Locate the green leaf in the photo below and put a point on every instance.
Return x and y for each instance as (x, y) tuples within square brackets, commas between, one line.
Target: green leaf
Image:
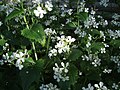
[(115, 43), (2, 42), (35, 33), (83, 16), (64, 85), (73, 74), (72, 24), (31, 74), (14, 14), (96, 46), (76, 53), (40, 64), (29, 60), (28, 76)]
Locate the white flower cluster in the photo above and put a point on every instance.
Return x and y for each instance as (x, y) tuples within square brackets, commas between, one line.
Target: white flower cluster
[(102, 21), (51, 18), (81, 7), (88, 42), (116, 16), (6, 47), (41, 11), (116, 60), (37, 1), (101, 86), (49, 31), (49, 86), (48, 5), (60, 73), (89, 87), (96, 61), (115, 20), (18, 57), (115, 86), (62, 46), (91, 21), (114, 34), (80, 32), (107, 71), (104, 2)]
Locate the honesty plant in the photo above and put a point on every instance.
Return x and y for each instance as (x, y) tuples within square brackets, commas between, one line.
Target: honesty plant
[(59, 45)]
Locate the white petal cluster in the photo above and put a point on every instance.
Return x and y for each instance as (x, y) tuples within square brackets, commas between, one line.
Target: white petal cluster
[(48, 5), (79, 31), (17, 58), (52, 52), (96, 61), (49, 86), (107, 71), (1, 23), (104, 2), (102, 21), (103, 50), (100, 86), (20, 57), (116, 16), (37, 1), (49, 31), (115, 86), (40, 12), (81, 7), (114, 34), (62, 45), (6, 47), (116, 60), (90, 87), (60, 73), (91, 21)]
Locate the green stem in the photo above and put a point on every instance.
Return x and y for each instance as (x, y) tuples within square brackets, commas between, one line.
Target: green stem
[(48, 42), (33, 45), (26, 22)]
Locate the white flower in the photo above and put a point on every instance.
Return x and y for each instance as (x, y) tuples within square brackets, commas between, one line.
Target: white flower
[(115, 86), (19, 63), (48, 5), (52, 52), (116, 16), (100, 86), (1, 62), (37, 1), (48, 22), (103, 50), (96, 62), (104, 2), (60, 73), (86, 10), (49, 31), (53, 17), (63, 44), (70, 11), (107, 70), (89, 87), (88, 44), (1, 23), (39, 12), (49, 86)]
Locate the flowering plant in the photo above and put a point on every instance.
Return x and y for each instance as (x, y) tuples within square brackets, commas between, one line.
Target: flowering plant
[(58, 45)]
